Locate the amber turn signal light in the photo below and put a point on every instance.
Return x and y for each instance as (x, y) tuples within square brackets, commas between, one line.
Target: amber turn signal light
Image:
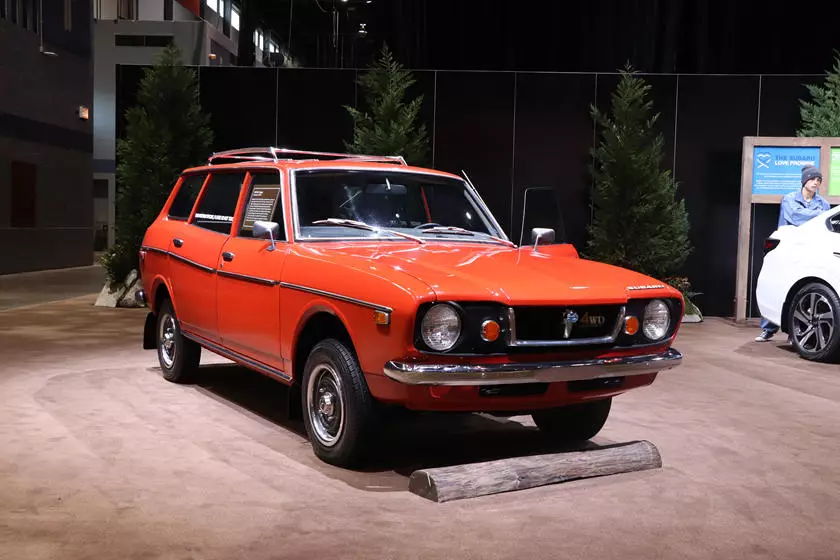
[(631, 325), (381, 318), (490, 330)]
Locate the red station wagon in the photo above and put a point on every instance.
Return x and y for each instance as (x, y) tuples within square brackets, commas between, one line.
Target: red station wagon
[(364, 282)]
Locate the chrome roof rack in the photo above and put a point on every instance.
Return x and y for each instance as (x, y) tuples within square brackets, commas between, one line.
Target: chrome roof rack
[(273, 154)]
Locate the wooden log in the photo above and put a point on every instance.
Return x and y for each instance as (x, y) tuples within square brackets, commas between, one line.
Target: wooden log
[(517, 473)]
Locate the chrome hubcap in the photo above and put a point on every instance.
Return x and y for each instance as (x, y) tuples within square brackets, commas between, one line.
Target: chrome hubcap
[(166, 340), (326, 404), (813, 322)]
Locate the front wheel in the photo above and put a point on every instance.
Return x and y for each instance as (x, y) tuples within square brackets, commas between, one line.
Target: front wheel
[(338, 409), (574, 423), (813, 320)]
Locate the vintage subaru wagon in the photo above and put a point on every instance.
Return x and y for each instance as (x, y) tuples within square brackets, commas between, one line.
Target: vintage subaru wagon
[(365, 283)]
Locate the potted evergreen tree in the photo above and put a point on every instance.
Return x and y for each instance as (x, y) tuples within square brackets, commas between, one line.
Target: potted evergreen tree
[(638, 221), (166, 132), (821, 115), (389, 123)]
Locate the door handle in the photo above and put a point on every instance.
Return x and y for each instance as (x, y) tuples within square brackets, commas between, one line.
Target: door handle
[(227, 256), (178, 242)]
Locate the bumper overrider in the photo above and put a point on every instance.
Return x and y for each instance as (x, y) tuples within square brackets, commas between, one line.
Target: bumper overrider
[(535, 372)]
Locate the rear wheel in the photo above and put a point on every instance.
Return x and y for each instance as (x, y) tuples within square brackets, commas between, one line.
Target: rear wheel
[(178, 356), (338, 409), (814, 320), (574, 423)]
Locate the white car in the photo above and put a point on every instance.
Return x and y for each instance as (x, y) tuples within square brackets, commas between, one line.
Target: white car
[(799, 283)]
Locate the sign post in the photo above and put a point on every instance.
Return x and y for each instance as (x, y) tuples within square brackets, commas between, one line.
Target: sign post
[(771, 167)]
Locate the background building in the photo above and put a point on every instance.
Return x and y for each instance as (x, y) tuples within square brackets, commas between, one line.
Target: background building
[(132, 32), (46, 139)]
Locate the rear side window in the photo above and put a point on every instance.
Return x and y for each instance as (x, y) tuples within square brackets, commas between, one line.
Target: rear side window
[(218, 204), (185, 199)]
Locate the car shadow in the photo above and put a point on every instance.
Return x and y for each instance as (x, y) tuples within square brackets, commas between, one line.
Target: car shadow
[(409, 440), (252, 391)]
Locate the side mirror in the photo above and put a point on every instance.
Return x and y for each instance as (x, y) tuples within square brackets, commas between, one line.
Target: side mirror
[(546, 235), (267, 229)]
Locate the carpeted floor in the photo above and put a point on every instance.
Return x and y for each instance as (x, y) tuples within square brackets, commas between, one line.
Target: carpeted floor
[(101, 458)]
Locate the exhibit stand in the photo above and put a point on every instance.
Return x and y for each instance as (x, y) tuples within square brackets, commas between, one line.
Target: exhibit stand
[(771, 167)]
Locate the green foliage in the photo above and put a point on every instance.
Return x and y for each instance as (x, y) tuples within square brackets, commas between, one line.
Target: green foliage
[(821, 115), (166, 132), (390, 128), (682, 284), (638, 222)]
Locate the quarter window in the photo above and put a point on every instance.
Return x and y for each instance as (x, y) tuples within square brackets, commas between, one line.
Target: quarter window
[(264, 203), (218, 203), (185, 199)]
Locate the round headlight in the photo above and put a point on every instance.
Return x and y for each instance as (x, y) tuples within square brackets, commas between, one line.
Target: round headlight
[(441, 327), (657, 320)]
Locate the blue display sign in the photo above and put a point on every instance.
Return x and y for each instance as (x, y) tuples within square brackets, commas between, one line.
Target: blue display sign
[(778, 170)]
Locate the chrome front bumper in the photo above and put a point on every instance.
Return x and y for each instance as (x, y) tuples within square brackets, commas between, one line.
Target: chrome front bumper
[(540, 372)]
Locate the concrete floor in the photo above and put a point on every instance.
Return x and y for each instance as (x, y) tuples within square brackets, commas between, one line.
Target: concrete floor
[(32, 288), (101, 458)]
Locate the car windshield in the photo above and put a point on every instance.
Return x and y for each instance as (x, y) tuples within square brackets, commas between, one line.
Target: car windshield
[(392, 203)]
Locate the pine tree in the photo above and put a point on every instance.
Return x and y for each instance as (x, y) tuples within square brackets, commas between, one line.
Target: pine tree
[(166, 132), (390, 128), (821, 115), (638, 222)]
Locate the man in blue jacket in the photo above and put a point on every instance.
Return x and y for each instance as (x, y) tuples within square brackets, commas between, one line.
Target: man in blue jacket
[(797, 208)]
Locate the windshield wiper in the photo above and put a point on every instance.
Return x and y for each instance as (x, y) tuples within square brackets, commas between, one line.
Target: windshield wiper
[(461, 231), (448, 229), (361, 225)]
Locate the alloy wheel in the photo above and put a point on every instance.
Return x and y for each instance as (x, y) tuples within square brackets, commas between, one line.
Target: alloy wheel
[(813, 322)]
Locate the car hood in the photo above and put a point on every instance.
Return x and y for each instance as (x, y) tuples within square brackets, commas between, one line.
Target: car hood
[(473, 272)]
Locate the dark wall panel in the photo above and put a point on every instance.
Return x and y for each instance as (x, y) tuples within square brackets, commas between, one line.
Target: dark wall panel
[(714, 115), (663, 94), (765, 219), (425, 86), (474, 132), (553, 138), (780, 95), (310, 109), (242, 105)]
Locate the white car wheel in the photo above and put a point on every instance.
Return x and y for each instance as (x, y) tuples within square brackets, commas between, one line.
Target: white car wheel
[(814, 323)]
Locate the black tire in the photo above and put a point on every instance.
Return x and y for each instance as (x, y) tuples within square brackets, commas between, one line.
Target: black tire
[(814, 323), (338, 409), (178, 356), (574, 423)]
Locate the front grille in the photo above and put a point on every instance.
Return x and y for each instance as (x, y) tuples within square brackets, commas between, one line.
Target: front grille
[(565, 325)]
